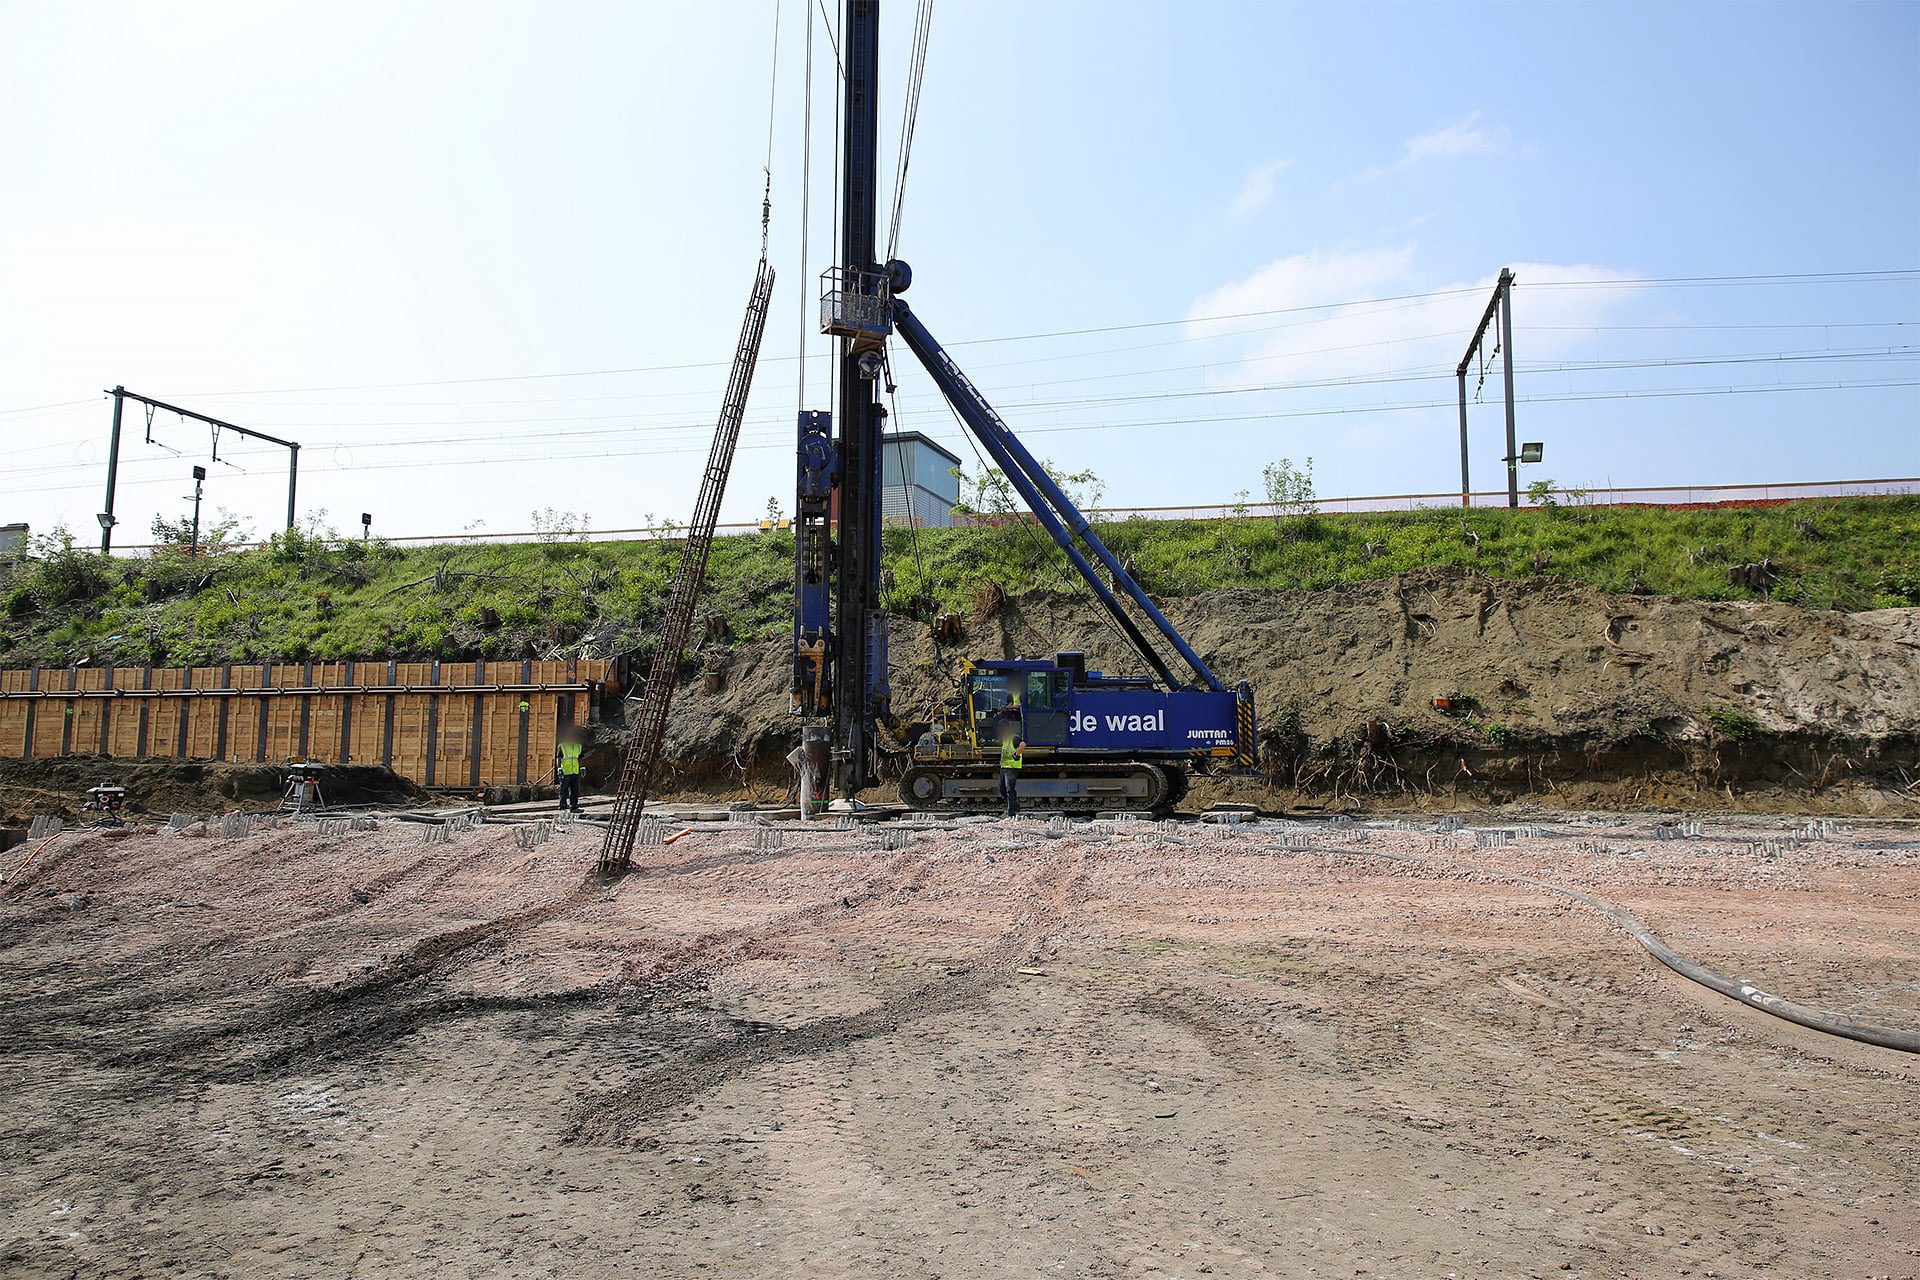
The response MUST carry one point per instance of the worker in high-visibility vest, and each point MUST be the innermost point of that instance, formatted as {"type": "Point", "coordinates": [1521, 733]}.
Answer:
{"type": "Point", "coordinates": [1013, 754]}
{"type": "Point", "coordinates": [566, 763]}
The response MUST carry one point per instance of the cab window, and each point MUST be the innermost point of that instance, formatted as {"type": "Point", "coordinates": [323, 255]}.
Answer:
{"type": "Point", "coordinates": [990, 694]}
{"type": "Point", "coordinates": [1043, 690]}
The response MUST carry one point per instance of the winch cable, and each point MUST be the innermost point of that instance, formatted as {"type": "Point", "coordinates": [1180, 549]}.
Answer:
{"type": "Point", "coordinates": [806, 213]}
{"type": "Point", "coordinates": [909, 122]}
{"type": "Point", "coordinates": [1746, 993]}
{"type": "Point", "coordinates": [833, 40]}
{"type": "Point", "coordinates": [773, 101]}
{"type": "Point", "coordinates": [906, 489]}
{"type": "Point", "coordinates": [909, 116]}
{"type": "Point", "coordinates": [913, 541]}
{"type": "Point", "coordinates": [641, 758]}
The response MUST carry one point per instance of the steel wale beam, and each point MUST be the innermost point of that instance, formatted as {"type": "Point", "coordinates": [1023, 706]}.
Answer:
{"type": "Point", "coordinates": [1063, 520]}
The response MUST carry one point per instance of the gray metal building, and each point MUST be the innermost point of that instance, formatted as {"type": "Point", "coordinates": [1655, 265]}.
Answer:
{"type": "Point", "coordinates": [917, 478]}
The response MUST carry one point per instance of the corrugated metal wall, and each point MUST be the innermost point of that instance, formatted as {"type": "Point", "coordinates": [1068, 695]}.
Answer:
{"type": "Point", "coordinates": [442, 724]}
{"type": "Point", "coordinates": [930, 510]}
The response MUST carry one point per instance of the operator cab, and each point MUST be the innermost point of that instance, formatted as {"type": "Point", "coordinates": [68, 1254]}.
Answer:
{"type": "Point", "coordinates": [1043, 689]}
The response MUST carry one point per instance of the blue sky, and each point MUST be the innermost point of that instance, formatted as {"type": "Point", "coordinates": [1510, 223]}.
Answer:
{"type": "Point", "coordinates": [278, 214]}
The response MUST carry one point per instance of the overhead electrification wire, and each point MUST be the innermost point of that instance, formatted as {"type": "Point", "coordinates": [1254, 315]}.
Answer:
{"type": "Point", "coordinates": [626, 422]}
{"type": "Point", "coordinates": [663, 436]}
{"type": "Point", "coordinates": [1280, 415]}
{"type": "Point", "coordinates": [1678, 281]}
{"type": "Point", "coordinates": [37, 408]}
{"type": "Point", "coordinates": [998, 364]}
{"type": "Point", "coordinates": [1704, 328]}
{"type": "Point", "coordinates": [1688, 282]}
{"type": "Point", "coordinates": [715, 364]}
{"type": "Point", "coordinates": [1102, 377]}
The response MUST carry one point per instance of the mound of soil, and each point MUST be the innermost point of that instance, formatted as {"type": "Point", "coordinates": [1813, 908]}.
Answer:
{"type": "Point", "coordinates": [59, 786]}
{"type": "Point", "coordinates": [1558, 691]}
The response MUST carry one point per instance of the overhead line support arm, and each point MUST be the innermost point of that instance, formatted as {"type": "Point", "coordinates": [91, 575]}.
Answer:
{"type": "Point", "coordinates": [1500, 304]}
{"type": "Point", "coordinates": [121, 394]}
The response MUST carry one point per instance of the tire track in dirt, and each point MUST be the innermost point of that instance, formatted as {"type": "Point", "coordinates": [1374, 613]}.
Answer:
{"type": "Point", "coordinates": [128, 987]}
{"type": "Point", "coordinates": [614, 1116]}
{"type": "Point", "coordinates": [326, 1024]}
{"type": "Point", "coordinates": [689, 964]}
{"type": "Point", "coordinates": [391, 1000]}
{"type": "Point", "coordinates": [387, 1019]}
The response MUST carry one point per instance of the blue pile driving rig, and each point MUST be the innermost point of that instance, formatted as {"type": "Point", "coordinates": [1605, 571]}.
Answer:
{"type": "Point", "coordinates": [1094, 741]}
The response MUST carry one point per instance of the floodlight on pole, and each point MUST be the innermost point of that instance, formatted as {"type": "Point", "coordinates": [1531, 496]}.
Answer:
{"type": "Point", "coordinates": [193, 543]}
{"type": "Point", "coordinates": [366, 525]}
{"type": "Point", "coordinates": [1532, 451]}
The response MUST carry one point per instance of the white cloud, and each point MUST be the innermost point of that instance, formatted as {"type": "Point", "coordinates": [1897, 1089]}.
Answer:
{"type": "Point", "coordinates": [1356, 337]}
{"type": "Point", "coordinates": [1420, 220]}
{"type": "Point", "coordinates": [1361, 344]}
{"type": "Point", "coordinates": [1305, 279]}
{"type": "Point", "coordinates": [1257, 190]}
{"type": "Point", "coordinates": [1453, 141]}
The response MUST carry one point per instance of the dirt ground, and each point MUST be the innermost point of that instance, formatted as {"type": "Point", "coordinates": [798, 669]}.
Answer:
{"type": "Point", "coordinates": [972, 1049]}
{"type": "Point", "coordinates": [58, 785]}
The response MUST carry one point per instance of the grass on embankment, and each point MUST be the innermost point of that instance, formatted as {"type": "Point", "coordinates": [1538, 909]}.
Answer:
{"type": "Point", "coordinates": [304, 597]}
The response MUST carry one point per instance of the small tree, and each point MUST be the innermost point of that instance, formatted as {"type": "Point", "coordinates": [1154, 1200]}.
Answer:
{"type": "Point", "coordinates": [1289, 492]}
{"type": "Point", "coordinates": [1540, 494]}
{"type": "Point", "coordinates": [991, 493]}
{"type": "Point", "coordinates": [225, 532]}
{"type": "Point", "coordinates": [773, 512]}
{"type": "Point", "coordinates": [560, 526]}
{"type": "Point", "coordinates": [64, 572]}
{"type": "Point", "coordinates": [1083, 488]}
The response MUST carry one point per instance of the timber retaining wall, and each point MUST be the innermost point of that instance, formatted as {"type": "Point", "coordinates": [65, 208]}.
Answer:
{"type": "Point", "coordinates": [442, 724]}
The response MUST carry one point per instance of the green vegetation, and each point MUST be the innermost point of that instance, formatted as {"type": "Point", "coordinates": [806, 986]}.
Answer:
{"type": "Point", "coordinates": [1733, 724]}
{"type": "Point", "coordinates": [310, 595]}
{"type": "Point", "coordinates": [1290, 497]}
{"type": "Point", "coordinates": [1843, 553]}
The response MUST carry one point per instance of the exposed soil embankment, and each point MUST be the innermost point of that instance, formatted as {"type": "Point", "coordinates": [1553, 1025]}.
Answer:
{"type": "Point", "coordinates": [1560, 693]}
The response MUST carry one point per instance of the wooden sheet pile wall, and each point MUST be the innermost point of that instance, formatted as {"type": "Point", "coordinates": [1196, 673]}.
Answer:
{"type": "Point", "coordinates": [443, 724]}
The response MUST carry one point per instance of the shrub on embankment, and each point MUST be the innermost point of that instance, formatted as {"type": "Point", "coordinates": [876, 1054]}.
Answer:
{"type": "Point", "coordinates": [310, 597]}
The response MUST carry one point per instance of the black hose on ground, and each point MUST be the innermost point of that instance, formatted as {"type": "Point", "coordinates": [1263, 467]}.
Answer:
{"type": "Point", "coordinates": [1745, 992]}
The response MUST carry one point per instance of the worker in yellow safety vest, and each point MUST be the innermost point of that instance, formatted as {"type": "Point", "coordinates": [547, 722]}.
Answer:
{"type": "Point", "coordinates": [1013, 754]}
{"type": "Point", "coordinates": [566, 763]}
